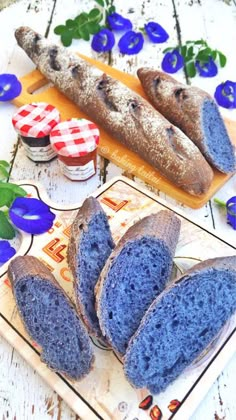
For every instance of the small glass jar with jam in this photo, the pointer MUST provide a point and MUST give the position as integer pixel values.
(34, 122)
(75, 142)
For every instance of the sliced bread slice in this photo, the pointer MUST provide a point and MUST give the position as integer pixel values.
(181, 323)
(50, 318)
(136, 272)
(195, 112)
(90, 245)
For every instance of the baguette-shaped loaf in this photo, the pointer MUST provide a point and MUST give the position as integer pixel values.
(195, 112)
(181, 322)
(50, 318)
(136, 272)
(90, 245)
(121, 112)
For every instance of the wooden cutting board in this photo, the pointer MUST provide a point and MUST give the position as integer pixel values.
(111, 148)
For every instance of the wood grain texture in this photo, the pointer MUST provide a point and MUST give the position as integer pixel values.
(23, 395)
(109, 147)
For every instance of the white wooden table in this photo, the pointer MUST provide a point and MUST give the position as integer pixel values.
(23, 395)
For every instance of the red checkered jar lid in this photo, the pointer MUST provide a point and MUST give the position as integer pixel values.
(36, 119)
(75, 137)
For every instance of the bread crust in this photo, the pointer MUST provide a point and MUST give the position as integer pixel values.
(79, 227)
(164, 225)
(121, 112)
(180, 104)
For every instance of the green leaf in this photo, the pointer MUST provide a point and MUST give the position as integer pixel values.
(214, 54)
(6, 229)
(84, 32)
(190, 69)
(81, 19)
(94, 15)
(66, 38)
(76, 33)
(183, 51)
(222, 59)
(58, 30)
(70, 24)
(111, 9)
(100, 2)
(200, 42)
(3, 173)
(4, 163)
(18, 191)
(93, 27)
(6, 198)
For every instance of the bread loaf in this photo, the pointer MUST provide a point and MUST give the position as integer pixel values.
(181, 323)
(121, 112)
(136, 272)
(50, 318)
(194, 112)
(90, 245)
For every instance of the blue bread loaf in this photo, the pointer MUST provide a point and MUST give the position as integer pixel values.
(50, 318)
(181, 323)
(136, 272)
(90, 245)
(193, 111)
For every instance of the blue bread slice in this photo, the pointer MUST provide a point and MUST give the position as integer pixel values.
(90, 245)
(50, 318)
(181, 323)
(195, 112)
(136, 272)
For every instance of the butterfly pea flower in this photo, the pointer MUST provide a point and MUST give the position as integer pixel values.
(6, 251)
(10, 87)
(225, 94)
(131, 43)
(118, 22)
(208, 69)
(172, 62)
(230, 206)
(103, 41)
(155, 32)
(31, 215)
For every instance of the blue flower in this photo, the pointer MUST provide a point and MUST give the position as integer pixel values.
(6, 251)
(118, 22)
(31, 215)
(225, 94)
(231, 212)
(10, 87)
(155, 32)
(208, 69)
(131, 43)
(103, 41)
(172, 62)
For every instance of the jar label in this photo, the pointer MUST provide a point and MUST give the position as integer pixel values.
(40, 154)
(78, 173)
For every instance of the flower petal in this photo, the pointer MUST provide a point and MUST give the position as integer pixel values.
(208, 69)
(103, 41)
(10, 87)
(172, 62)
(131, 43)
(118, 22)
(156, 32)
(6, 251)
(31, 215)
(225, 94)
(231, 212)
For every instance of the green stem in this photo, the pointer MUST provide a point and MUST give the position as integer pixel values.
(220, 202)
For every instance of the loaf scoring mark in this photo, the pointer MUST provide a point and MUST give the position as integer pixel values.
(180, 94)
(37, 38)
(156, 82)
(171, 136)
(103, 89)
(133, 105)
(53, 59)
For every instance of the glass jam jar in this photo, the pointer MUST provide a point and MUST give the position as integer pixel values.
(34, 122)
(75, 142)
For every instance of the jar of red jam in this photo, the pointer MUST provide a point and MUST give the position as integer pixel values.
(75, 142)
(34, 122)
